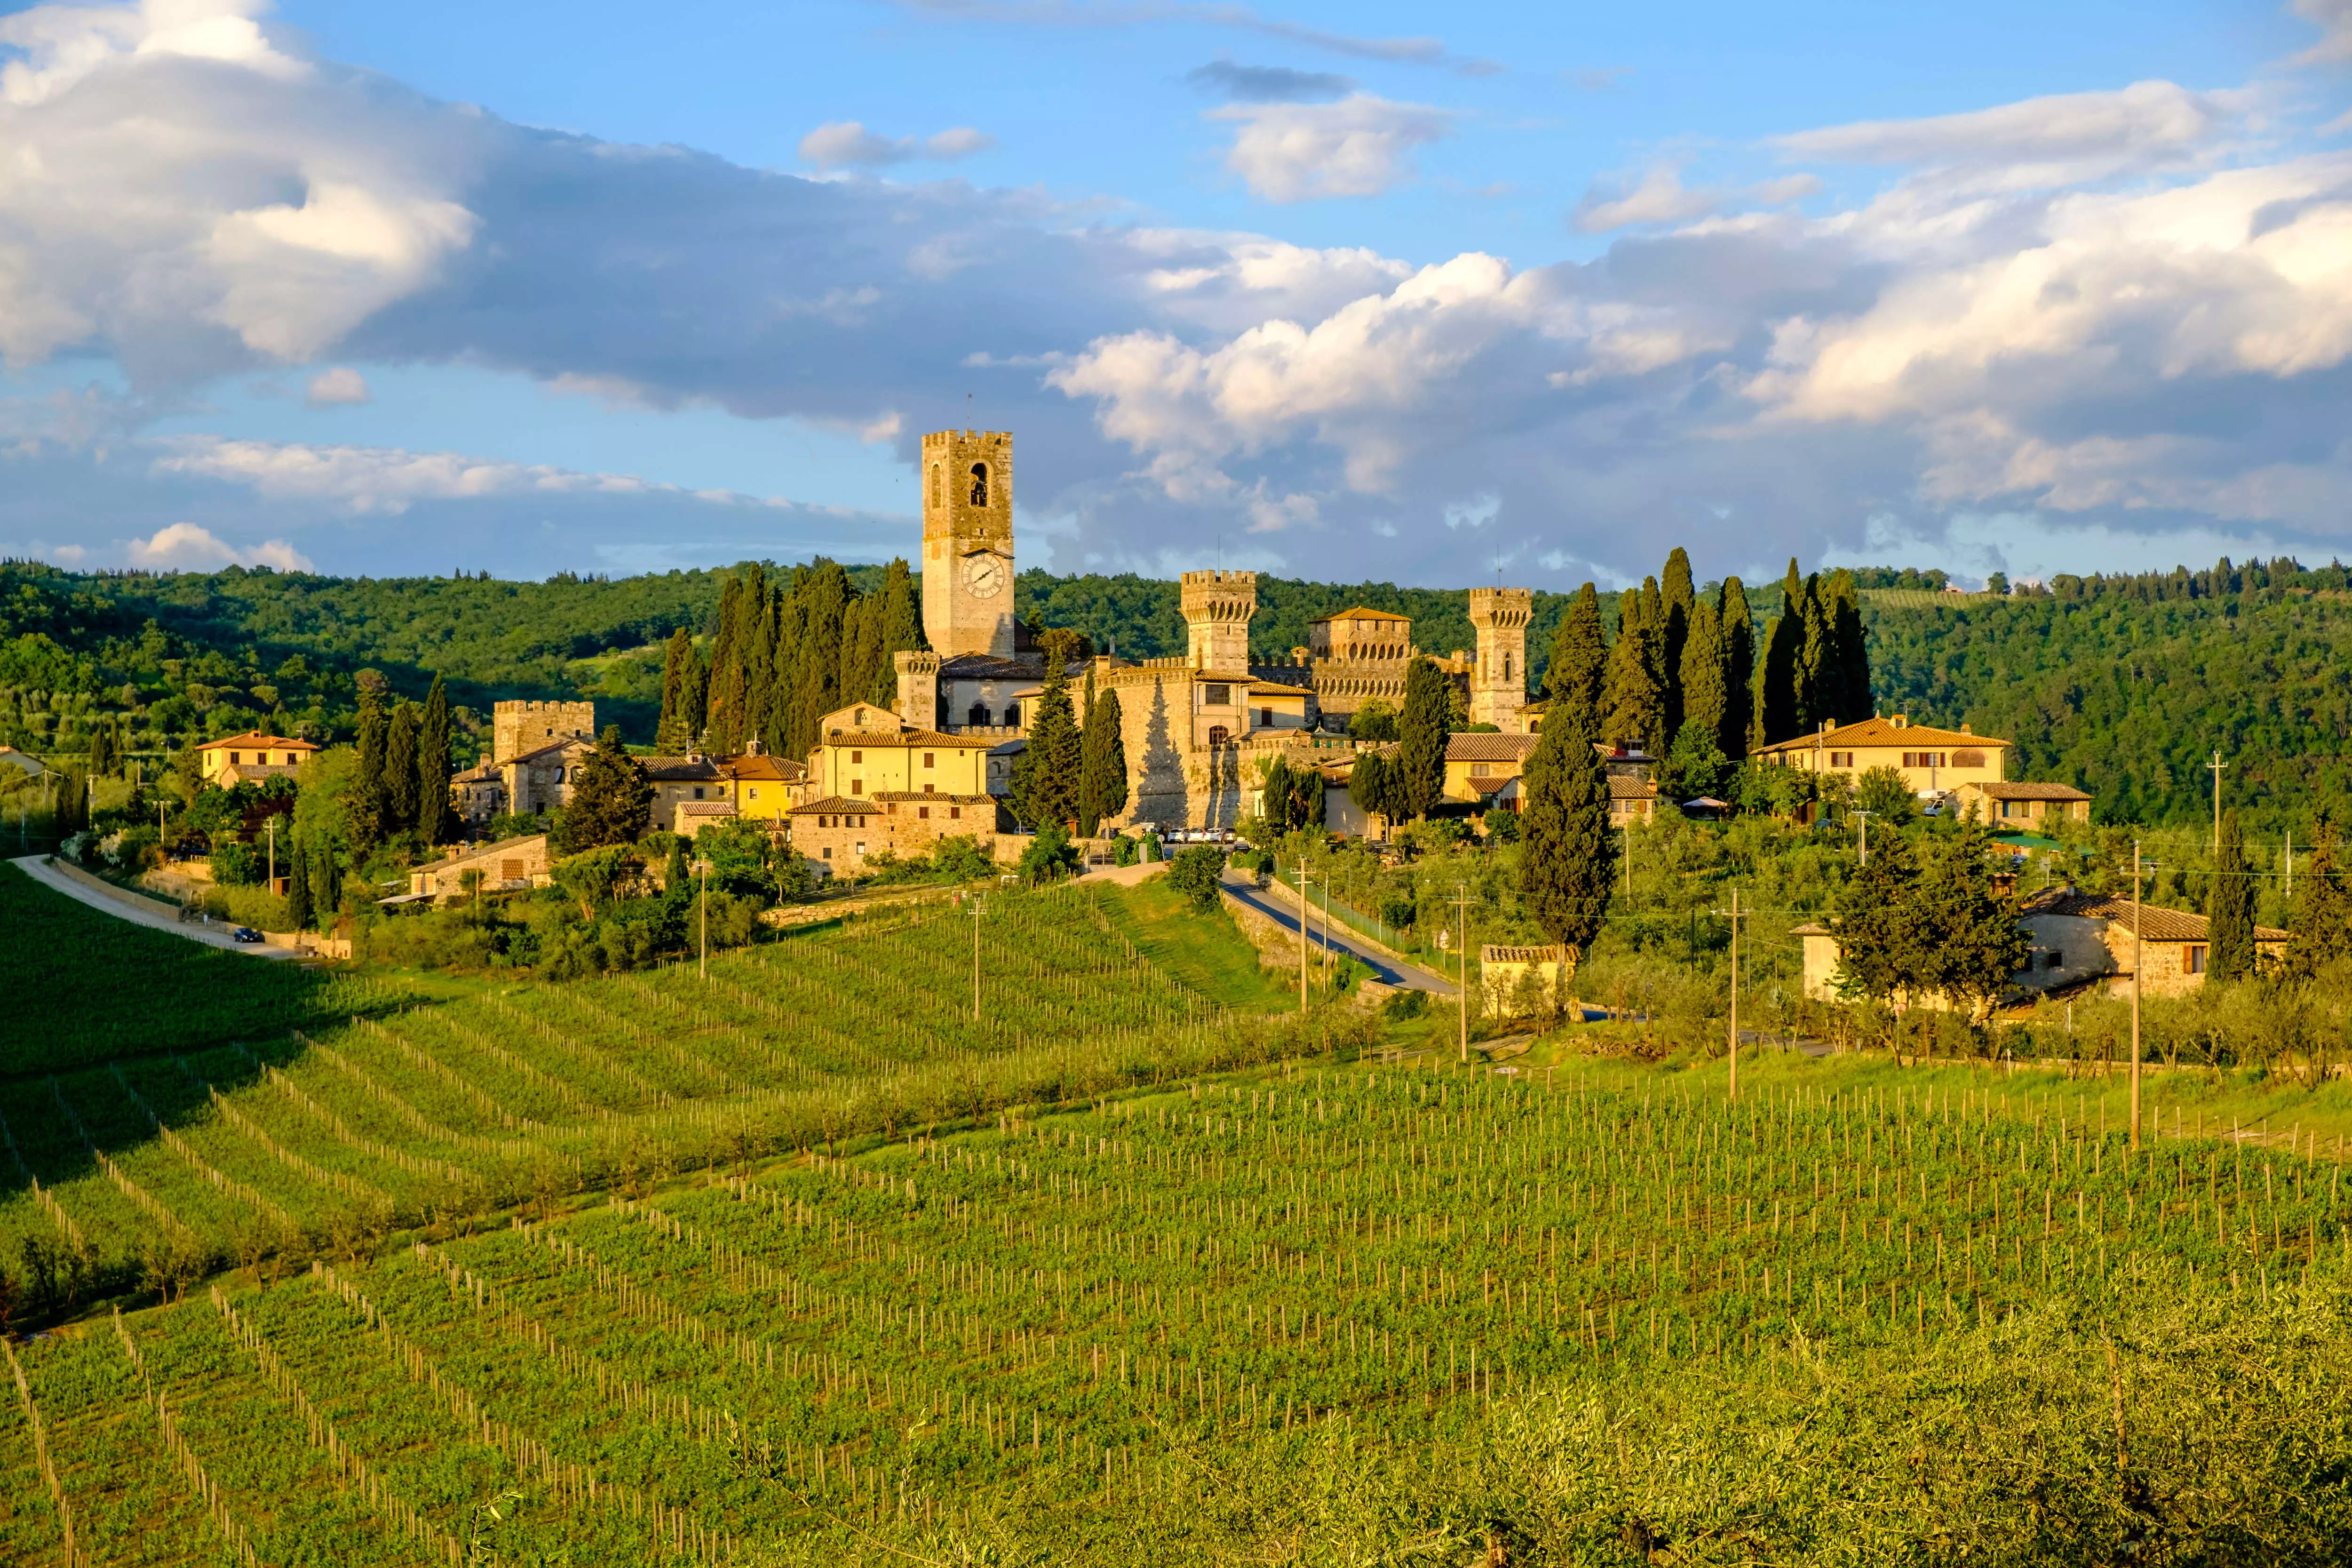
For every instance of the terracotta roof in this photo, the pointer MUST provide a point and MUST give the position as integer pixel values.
(903, 737)
(500, 846)
(570, 742)
(696, 768)
(836, 803)
(1484, 748)
(1622, 788)
(764, 769)
(897, 794)
(2155, 924)
(253, 739)
(2023, 790)
(1810, 930)
(1260, 687)
(1880, 731)
(1492, 954)
(483, 772)
(705, 808)
(988, 667)
(1490, 784)
(1360, 613)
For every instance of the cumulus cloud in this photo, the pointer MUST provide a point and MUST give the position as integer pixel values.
(1268, 84)
(847, 144)
(1359, 147)
(1661, 197)
(336, 387)
(185, 547)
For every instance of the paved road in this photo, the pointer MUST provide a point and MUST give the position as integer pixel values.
(131, 908)
(1386, 970)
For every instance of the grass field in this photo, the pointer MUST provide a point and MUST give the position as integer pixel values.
(807, 1265)
(1208, 954)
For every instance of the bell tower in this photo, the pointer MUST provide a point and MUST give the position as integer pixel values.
(968, 541)
(1499, 681)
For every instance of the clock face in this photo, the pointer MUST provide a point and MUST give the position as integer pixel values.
(984, 575)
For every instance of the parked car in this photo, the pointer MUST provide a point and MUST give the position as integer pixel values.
(244, 933)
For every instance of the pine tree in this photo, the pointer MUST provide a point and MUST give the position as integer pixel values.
(1679, 598)
(1574, 680)
(1421, 739)
(1102, 763)
(435, 818)
(612, 799)
(1566, 851)
(1849, 653)
(1738, 633)
(2229, 907)
(674, 736)
(1045, 780)
(1819, 681)
(2323, 912)
(365, 798)
(1635, 714)
(401, 798)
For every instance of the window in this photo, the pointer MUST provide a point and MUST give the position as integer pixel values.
(235, 758)
(856, 756)
(1012, 715)
(1967, 759)
(980, 484)
(931, 759)
(1265, 717)
(754, 791)
(861, 849)
(939, 485)
(1507, 666)
(698, 792)
(828, 851)
(924, 811)
(927, 789)
(1840, 759)
(856, 787)
(1217, 696)
(979, 714)
(955, 814)
(861, 716)
(1216, 734)
(2192, 958)
(558, 776)
(511, 871)
(1478, 770)
(2053, 959)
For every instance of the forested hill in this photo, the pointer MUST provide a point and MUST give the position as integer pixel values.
(2123, 684)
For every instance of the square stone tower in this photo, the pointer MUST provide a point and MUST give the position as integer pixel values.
(519, 727)
(1499, 680)
(1217, 610)
(968, 543)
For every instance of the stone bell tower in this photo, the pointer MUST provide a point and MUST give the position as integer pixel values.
(1217, 609)
(1499, 681)
(968, 541)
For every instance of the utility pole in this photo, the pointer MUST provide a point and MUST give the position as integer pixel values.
(1302, 936)
(1462, 992)
(1734, 1092)
(273, 853)
(1626, 854)
(2217, 764)
(975, 958)
(1862, 820)
(2136, 954)
(2290, 865)
(703, 963)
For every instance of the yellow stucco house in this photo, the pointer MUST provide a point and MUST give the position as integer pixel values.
(865, 751)
(761, 787)
(1932, 761)
(250, 757)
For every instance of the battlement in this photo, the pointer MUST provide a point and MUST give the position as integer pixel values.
(1217, 608)
(1236, 581)
(1498, 675)
(1502, 606)
(943, 439)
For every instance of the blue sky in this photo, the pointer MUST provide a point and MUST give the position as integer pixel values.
(1341, 291)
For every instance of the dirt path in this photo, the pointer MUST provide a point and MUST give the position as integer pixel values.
(128, 906)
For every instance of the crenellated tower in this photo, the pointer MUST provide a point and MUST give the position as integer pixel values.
(968, 543)
(918, 688)
(1217, 610)
(1498, 679)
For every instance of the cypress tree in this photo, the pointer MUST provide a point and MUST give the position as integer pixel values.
(1706, 699)
(1102, 763)
(1779, 702)
(1045, 780)
(1421, 739)
(1882, 944)
(1574, 679)
(611, 798)
(1676, 593)
(825, 595)
(434, 817)
(727, 692)
(1565, 852)
(1737, 629)
(2323, 913)
(1819, 682)
(297, 888)
(326, 887)
(1274, 789)
(401, 796)
(2229, 907)
(364, 799)
(1849, 649)
(1368, 785)
(673, 735)
(899, 628)
(1634, 686)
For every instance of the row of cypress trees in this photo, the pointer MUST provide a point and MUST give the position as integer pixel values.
(1070, 773)
(782, 654)
(1680, 659)
(400, 782)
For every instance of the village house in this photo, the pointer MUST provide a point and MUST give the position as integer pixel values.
(1520, 982)
(2024, 804)
(2079, 938)
(1932, 761)
(250, 757)
(687, 818)
(536, 751)
(19, 766)
(761, 788)
(510, 864)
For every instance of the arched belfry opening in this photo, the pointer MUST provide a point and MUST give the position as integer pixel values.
(939, 485)
(980, 484)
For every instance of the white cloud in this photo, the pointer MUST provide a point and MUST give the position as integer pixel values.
(380, 478)
(847, 144)
(2334, 19)
(333, 388)
(185, 547)
(1359, 147)
(1661, 197)
(2061, 139)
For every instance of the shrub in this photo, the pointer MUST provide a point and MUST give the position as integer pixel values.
(1129, 848)
(236, 863)
(1196, 873)
(1050, 856)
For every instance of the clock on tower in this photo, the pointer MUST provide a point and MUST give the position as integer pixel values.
(968, 543)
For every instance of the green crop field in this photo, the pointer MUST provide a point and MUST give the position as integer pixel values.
(804, 1264)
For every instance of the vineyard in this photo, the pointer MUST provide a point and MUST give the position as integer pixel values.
(803, 1263)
